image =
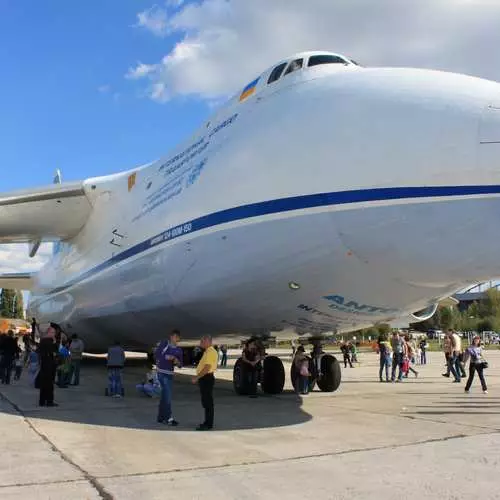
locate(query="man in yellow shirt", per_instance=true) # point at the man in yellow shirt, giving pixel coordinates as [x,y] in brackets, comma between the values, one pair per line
[205,379]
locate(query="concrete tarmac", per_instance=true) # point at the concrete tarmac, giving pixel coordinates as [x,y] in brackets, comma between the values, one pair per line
[423,438]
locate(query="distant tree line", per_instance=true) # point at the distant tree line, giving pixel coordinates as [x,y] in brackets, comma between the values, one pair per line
[482,315]
[11,304]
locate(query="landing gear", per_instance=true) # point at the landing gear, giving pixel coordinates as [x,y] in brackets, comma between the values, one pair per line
[240,378]
[294,376]
[273,375]
[330,378]
[269,371]
[324,370]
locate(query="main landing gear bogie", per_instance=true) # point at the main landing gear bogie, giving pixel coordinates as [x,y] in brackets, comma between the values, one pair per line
[324,372]
[271,376]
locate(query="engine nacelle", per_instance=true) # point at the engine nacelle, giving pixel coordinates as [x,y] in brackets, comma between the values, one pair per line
[424,314]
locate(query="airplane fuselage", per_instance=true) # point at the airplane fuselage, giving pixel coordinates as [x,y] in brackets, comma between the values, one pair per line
[329,200]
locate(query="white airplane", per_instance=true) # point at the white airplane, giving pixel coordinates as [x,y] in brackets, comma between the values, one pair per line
[324,196]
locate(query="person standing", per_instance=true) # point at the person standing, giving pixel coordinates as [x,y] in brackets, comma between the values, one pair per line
[168,355]
[251,359]
[47,372]
[10,349]
[423,351]
[409,356]
[223,361]
[398,349]
[456,351]
[76,349]
[346,353]
[477,363]
[115,364]
[301,365]
[384,350]
[205,378]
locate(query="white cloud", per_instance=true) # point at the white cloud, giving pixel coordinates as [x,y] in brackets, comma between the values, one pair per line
[225,43]
[154,19]
[103,89]
[15,259]
[140,71]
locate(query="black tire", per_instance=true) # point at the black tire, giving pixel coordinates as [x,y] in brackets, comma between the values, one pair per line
[294,375]
[239,378]
[273,375]
[330,374]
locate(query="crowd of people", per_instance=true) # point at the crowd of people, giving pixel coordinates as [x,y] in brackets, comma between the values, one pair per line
[401,353]
[55,360]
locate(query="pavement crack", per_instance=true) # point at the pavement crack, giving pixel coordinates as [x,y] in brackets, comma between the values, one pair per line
[292,459]
[86,475]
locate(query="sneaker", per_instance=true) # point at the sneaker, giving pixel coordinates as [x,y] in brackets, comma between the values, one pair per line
[445,375]
[456,381]
[485,392]
[467,391]
[52,404]
[171,421]
[116,396]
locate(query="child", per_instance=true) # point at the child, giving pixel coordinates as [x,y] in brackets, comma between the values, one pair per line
[115,362]
[301,362]
[151,387]
[33,366]
[18,367]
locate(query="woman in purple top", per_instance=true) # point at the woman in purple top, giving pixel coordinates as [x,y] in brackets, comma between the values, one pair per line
[477,363]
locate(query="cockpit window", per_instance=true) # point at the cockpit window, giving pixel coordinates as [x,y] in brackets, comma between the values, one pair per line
[276,73]
[325,59]
[294,66]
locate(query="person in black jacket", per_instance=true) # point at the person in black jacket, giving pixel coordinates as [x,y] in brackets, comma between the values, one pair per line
[9,351]
[48,365]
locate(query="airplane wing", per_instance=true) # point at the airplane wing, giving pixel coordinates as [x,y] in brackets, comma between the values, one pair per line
[18,281]
[50,213]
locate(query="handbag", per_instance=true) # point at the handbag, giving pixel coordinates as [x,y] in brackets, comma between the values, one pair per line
[483,363]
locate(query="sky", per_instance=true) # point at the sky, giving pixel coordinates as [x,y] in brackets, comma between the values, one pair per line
[95,87]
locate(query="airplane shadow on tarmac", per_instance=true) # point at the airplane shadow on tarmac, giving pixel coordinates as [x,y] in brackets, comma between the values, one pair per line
[87,403]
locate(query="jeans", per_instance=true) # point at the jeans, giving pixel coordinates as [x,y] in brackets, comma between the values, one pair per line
[165,405]
[473,368]
[252,379]
[74,377]
[115,381]
[206,385]
[454,366]
[303,384]
[384,363]
[347,359]
[423,358]
[223,360]
[397,361]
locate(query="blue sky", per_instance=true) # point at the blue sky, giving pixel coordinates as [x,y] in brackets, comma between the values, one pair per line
[64,99]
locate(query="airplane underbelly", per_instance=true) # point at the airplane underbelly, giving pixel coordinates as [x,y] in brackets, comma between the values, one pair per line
[307,272]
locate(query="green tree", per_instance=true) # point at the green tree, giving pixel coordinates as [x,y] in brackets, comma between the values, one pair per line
[19,305]
[7,303]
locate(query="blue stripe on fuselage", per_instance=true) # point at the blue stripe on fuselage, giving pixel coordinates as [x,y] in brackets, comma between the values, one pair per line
[284,205]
